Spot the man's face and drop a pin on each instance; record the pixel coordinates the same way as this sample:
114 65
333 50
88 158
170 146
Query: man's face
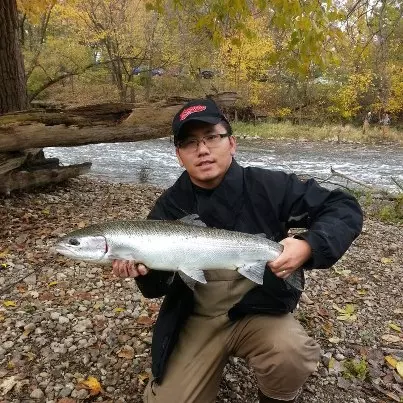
206 165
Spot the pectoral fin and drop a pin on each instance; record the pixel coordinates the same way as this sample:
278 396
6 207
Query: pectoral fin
195 274
254 271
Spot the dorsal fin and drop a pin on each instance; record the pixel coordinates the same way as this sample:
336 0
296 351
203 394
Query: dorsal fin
192 219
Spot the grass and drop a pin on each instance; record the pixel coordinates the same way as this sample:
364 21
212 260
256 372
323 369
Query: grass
338 133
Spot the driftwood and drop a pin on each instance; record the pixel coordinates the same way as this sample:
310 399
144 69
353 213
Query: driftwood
376 192
18 180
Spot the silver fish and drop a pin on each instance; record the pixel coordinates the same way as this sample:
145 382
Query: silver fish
176 246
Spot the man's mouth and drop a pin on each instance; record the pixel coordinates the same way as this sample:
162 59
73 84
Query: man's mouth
204 163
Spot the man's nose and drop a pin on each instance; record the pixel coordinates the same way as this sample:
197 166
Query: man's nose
201 146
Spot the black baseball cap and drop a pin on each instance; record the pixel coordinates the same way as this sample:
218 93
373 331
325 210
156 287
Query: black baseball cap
203 110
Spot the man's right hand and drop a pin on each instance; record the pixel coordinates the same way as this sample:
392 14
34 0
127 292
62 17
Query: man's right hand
128 268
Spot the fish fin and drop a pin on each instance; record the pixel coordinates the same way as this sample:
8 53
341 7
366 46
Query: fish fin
261 235
296 280
190 282
254 271
194 274
193 219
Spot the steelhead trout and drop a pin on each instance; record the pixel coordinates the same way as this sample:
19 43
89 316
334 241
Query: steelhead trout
176 246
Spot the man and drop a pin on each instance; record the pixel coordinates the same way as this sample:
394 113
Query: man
196 331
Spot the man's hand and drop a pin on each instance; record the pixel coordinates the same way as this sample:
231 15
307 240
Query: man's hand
296 252
128 268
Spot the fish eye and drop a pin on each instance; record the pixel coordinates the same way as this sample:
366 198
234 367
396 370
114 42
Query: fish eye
74 241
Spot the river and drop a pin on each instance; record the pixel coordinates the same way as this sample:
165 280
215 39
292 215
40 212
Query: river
154 161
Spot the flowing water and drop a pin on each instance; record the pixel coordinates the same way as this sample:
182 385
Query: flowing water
154 161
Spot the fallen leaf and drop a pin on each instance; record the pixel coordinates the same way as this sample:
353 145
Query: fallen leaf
343 272
335 340
399 368
395 327
9 303
52 283
30 356
144 320
92 384
391 338
4 253
126 352
3 266
119 310
390 360
386 260
143 377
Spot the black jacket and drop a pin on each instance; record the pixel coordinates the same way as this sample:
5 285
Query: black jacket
255 201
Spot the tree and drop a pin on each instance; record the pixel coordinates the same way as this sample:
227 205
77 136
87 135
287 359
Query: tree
13 94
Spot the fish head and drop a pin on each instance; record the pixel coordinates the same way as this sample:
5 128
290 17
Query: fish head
83 247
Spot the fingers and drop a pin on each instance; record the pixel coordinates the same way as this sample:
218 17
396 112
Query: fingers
128 268
295 253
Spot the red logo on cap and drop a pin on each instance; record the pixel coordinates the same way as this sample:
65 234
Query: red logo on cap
192 109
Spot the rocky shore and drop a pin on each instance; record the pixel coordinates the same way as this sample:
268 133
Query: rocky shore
71 331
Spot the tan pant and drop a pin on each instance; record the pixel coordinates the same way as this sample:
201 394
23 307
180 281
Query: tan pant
276 347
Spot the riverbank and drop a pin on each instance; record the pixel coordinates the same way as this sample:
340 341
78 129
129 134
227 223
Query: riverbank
66 321
347 134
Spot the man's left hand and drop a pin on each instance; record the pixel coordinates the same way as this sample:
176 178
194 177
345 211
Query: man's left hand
296 252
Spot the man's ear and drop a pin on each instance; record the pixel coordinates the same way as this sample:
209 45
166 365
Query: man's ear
179 157
232 142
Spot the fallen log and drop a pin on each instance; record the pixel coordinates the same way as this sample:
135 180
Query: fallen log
142 124
19 180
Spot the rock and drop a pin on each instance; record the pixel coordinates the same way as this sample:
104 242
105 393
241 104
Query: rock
37 394
30 280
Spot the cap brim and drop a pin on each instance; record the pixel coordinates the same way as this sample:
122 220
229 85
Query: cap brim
206 119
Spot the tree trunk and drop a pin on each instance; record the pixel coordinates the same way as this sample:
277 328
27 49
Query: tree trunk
13 94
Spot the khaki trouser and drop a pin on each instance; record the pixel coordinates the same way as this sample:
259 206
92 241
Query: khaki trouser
277 348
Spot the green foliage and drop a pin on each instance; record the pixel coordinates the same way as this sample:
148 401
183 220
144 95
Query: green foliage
356 368
393 212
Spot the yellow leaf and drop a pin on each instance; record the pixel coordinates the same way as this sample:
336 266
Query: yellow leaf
92 384
9 303
386 260
119 310
52 283
362 292
30 356
395 327
399 368
4 253
46 211
142 377
390 360
339 309
3 265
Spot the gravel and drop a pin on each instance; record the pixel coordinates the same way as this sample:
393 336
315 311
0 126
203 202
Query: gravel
62 322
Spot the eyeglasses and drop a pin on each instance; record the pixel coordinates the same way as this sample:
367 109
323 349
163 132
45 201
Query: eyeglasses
210 141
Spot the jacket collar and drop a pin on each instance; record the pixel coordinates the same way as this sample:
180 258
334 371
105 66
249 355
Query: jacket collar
224 204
